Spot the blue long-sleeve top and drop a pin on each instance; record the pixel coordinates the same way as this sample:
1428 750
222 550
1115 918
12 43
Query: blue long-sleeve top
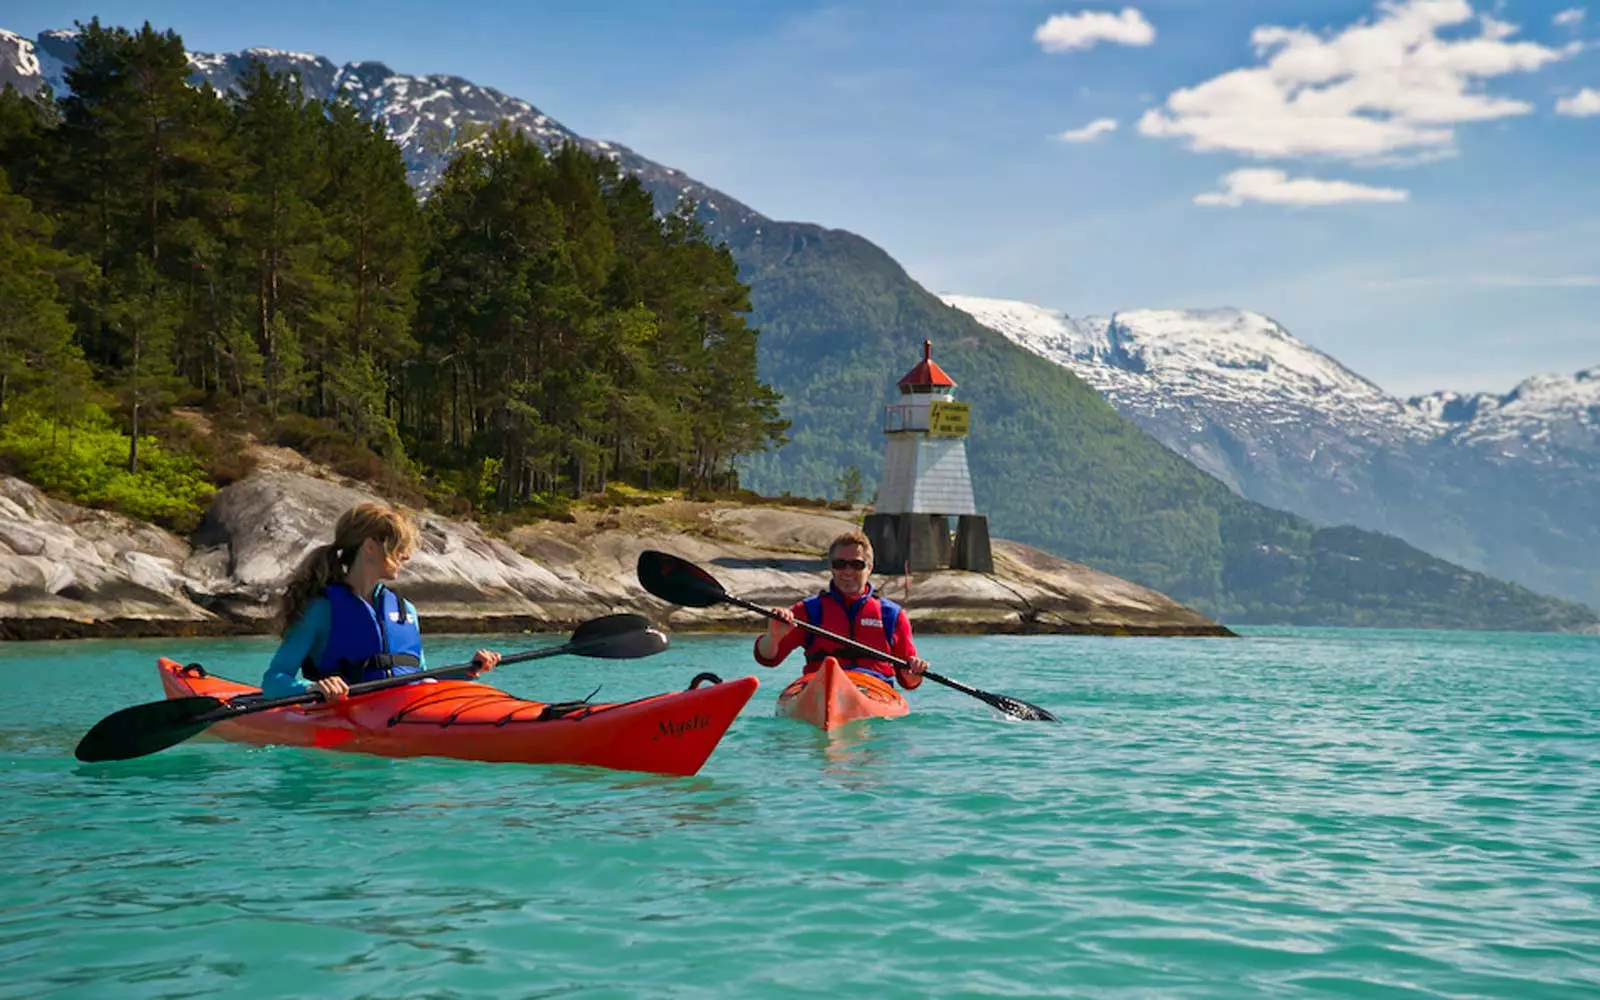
307 637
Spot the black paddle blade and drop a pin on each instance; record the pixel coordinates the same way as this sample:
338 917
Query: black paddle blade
1014 707
1018 709
678 581
144 729
618 637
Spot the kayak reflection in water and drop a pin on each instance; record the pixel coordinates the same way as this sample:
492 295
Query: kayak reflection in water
850 606
340 624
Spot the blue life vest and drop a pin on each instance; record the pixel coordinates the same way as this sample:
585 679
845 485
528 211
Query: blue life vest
367 642
819 648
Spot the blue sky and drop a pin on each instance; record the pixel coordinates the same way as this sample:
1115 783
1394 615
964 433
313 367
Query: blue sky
1410 187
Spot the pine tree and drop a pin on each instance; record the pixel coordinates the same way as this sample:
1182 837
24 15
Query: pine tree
850 485
26 143
128 148
373 242
143 312
491 308
360 389
241 371
40 367
709 354
279 253
92 185
209 209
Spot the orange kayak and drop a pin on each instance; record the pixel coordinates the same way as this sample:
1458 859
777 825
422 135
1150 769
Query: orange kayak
830 696
669 733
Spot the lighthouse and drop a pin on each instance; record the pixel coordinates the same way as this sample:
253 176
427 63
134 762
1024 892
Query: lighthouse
926 481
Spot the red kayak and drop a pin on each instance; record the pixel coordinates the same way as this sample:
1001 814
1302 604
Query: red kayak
669 733
831 696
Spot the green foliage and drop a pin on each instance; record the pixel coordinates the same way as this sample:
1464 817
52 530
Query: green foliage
87 463
40 367
25 147
324 441
483 483
373 229
222 452
571 335
851 486
537 332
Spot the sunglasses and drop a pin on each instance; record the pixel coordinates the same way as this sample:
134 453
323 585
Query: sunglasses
849 564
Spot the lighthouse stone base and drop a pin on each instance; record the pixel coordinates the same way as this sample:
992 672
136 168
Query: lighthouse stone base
922 543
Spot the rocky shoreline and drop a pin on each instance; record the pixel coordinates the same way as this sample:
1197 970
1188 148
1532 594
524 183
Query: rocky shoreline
68 572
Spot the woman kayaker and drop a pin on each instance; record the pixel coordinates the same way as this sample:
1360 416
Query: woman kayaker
340 624
850 606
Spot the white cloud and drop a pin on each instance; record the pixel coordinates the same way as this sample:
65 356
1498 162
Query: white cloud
1274 187
1584 104
1496 30
1090 132
1569 18
1065 32
1374 90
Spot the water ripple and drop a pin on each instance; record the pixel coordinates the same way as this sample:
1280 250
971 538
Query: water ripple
1296 814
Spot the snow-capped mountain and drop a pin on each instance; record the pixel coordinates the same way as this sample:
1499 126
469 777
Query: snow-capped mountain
1543 418
1505 484
1229 389
423 114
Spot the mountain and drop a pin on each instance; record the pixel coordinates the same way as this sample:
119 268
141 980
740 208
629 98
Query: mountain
1053 463
1540 420
1508 485
424 115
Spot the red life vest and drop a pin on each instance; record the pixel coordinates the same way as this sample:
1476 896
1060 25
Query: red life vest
870 620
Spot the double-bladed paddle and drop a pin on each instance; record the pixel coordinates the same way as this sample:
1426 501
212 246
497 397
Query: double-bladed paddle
145 729
679 581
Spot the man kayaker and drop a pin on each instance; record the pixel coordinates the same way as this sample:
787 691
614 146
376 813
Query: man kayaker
340 624
850 606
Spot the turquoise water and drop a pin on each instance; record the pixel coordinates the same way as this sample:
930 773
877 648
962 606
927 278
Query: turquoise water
1297 813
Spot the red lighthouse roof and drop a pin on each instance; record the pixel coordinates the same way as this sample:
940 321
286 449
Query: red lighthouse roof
927 374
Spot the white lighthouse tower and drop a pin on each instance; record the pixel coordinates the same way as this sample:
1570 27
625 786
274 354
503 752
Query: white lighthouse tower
926 481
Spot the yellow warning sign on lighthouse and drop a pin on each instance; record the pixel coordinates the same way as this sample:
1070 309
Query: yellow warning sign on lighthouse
949 419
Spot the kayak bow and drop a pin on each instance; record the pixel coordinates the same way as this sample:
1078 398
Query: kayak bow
831 696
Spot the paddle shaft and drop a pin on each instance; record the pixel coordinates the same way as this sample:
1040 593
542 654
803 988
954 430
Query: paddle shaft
366 687
852 644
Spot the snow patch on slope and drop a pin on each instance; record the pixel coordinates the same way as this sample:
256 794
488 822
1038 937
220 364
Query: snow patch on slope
1565 406
21 50
1155 359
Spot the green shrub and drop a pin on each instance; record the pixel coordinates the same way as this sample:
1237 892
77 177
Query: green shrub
223 452
88 464
615 496
753 499
326 442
